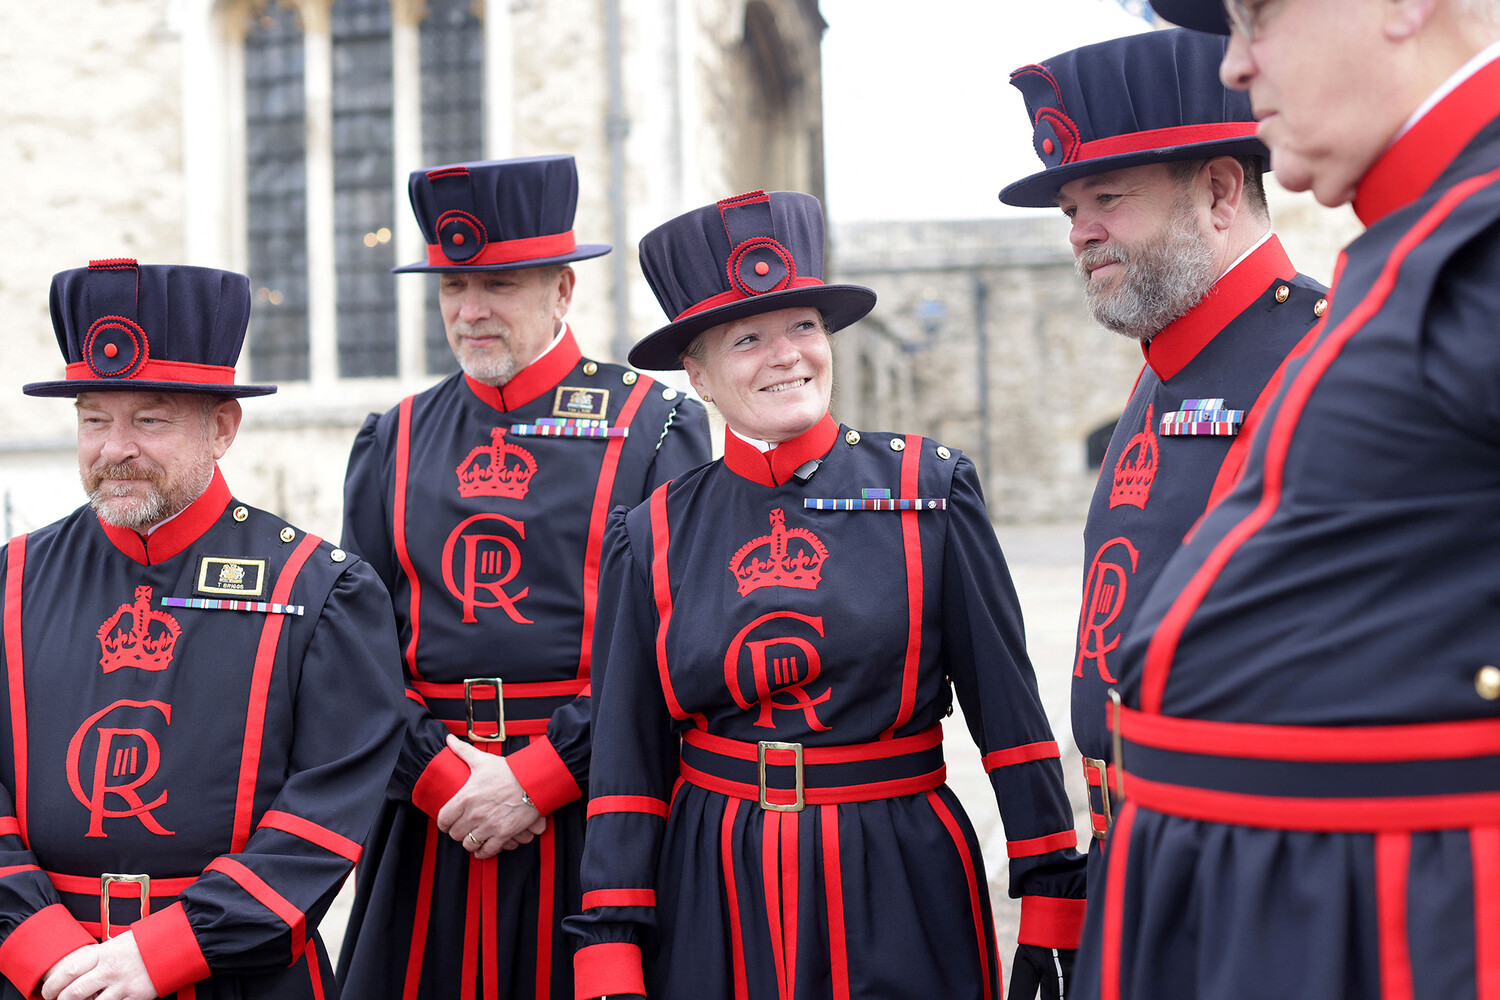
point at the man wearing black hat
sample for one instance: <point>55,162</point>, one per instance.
<point>1310,726</point>
<point>201,708</point>
<point>482,503</point>
<point>1158,169</point>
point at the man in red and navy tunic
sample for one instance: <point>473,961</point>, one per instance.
<point>1156,165</point>
<point>482,503</point>
<point>199,712</point>
<point>1311,700</point>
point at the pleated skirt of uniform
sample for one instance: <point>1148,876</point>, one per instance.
<point>1217,912</point>
<point>878,900</point>
<point>429,923</point>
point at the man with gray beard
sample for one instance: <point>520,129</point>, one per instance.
<point>1157,167</point>
<point>201,712</point>
<point>481,502</point>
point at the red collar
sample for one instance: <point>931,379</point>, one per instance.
<point>1181,340</point>
<point>178,533</point>
<point>776,466</point>
<point>1416,159</point>
<point>530,382</point>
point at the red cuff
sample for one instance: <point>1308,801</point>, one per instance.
<point>602,969</point>
<point>1050,921</point>
<point>169,948</point>
<point>38,943</point>
<point>545,778</point>
<point>444,775</point>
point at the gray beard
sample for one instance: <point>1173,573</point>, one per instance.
<point>156,506</point>
<point>1163,279</point>
<point>491,371</point>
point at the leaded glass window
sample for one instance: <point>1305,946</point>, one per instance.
<point>276,181</point>
<point>363,199</point>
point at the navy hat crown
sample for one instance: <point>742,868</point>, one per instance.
<point>496,215</point>
<point>1144,98</point>
<point>753,253</point>
<point>127,326</point>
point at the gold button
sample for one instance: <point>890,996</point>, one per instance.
<point>287,534</point>
<point>240,513</point>
<point>1282,293</point>
<point>1487,682</point>
<point>897,444</point>
<point>852,437</point>
<point>338,555</point>
<point>944,453</point>
<point>1320,307</point>
<point>669,393</point>
<point>629,378</point>
<point>589,368</point>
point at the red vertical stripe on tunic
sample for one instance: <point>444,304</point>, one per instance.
<point>469,971</point>
<point>15,671</point>
<point>1114,904</point>
<point>260,691</point>
<point>423,913</point>
<point>1484,842</point>
<point>833,888</point>
<point>403,467</point>
<point>985,938</point>
<point>313,974</point>
<point>547,846</point>
<point>661,586</point>
<point>597,518</point>
<point>1392,871</point>
<point>732,898</point>
<point>1163,646</point>
<point>911,543</point>
<point>489,943</point>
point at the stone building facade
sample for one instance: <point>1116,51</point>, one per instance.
<point>981,340</point>
<point>275,137</point>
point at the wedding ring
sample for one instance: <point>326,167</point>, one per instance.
<point>477,841</point>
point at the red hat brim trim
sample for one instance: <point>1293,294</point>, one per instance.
<point>161,371</point>
<point>1163,138</point>
<point>724,298</point>
<point>508,251</point>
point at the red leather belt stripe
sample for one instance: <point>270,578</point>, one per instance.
<point>528,705</point>
<point>855,773</point>
<point>1426,776</point>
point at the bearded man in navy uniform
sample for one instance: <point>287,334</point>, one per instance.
<point>482,503</point>
<point>1156,165</point>
<point>200,710</point>
<point>1310,720</point>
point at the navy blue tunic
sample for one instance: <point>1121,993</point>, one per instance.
<point>483,510</point>
<point>739,620</point>
<point>1204,373</point>
<point>1312,754</point>
<point>235,755</point>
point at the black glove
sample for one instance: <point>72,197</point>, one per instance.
<point>1036,968</point>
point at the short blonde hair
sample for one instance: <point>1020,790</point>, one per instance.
<point>698,348</point>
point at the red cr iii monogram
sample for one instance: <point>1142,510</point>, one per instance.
<point>780,665</point>
<point>478,563</point>
<point>125,757</point>
<point>1104,593</point>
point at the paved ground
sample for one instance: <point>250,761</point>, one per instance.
<point>1046,564</point>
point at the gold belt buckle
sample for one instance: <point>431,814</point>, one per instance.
<point>144,881</point>
<point>470,683</point>
<point>760,754</point>
<point>1094,763</point>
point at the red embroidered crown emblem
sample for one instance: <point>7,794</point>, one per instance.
<point>781,559</point>
<point>146,643</point>
<point>1135,469</point>
<point>500,470</point>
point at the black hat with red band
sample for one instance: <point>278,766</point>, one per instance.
<point>497,215</point>
<point>750,254</point>
<point>1201,15</point>
<point>1145,98</point>
<point>129,327</point>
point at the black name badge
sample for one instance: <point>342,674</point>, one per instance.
<point>228,575</point>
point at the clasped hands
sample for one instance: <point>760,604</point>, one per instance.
<point>488,814</point>
<point>109,971</point>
